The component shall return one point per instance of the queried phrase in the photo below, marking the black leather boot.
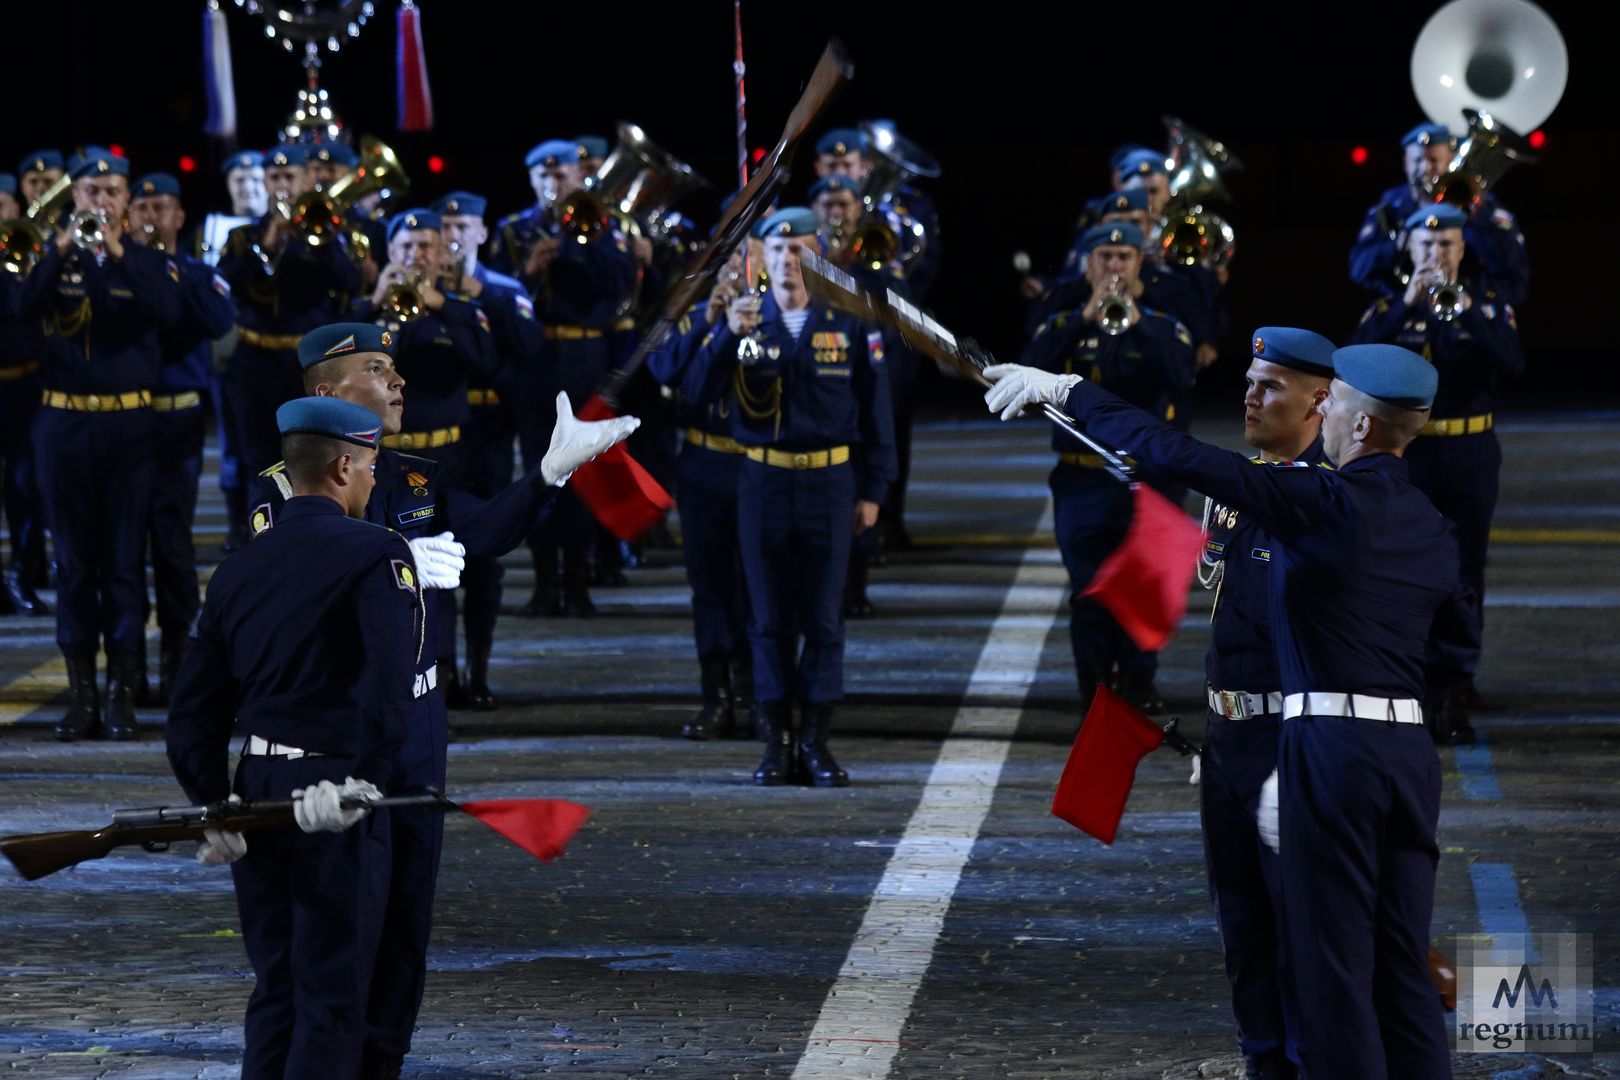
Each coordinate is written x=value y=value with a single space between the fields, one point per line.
x=577 y=582
x=716 y=717
x=775 y=730
x=122 y=671
x=20 y=592
x=742 y=691
x=816 y=765
x=83 y=718
x=546 y=599
x=1137 y=688
x=172 y=653
x=478 y=693
x=379 y=1066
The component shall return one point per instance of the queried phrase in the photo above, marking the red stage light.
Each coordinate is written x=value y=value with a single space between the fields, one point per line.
x=758 y=155
x=116 y=150
x=436 y=164
x=1538 y=139
x=1359 y=155
x=188 y=163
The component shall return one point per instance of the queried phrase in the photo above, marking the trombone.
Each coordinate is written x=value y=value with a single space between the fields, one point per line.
x=23 y=239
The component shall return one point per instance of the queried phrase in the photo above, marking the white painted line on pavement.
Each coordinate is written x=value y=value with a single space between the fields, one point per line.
x=858 y=1031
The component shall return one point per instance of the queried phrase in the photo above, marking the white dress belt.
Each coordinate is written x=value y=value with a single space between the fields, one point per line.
x=1359 y=706
x=258 y=747
x=1237 y=705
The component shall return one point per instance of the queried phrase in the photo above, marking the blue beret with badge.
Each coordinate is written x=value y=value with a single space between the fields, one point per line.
x=99 y=161
x=1121 y=153
x=1123 y=202
x=835 y=182
x=553 y=152
x=333 y=417
x=288 y=155
x=1115 y=232
x=341 y=339
x=1389 y=373
x=1426 y=133
x=8 y=184
x=157 y=183
x=1141 y=162
x=841 y=141
x=1290 y=347
x=1437 y=216
x=592 y=146
x=336 y=154
x=791 y=221
x=242 y=159
x=39 y=161
x=415 y=218
x=461 y=204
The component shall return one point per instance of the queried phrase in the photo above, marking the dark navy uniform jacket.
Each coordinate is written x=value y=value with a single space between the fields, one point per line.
x=1473 y=353
x=439 y=353
x=311 y=286
x=1361 y=561
x=206 y=312
x=1240 y=655
x=308 y=637
x=1148 y=365
x=1492 y=237
x=21 y=339
x=102 y=319
x=518 y=338
x=669 y=366
x=827 y=387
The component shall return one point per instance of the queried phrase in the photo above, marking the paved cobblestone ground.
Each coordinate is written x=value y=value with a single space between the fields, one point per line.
x=697 y=923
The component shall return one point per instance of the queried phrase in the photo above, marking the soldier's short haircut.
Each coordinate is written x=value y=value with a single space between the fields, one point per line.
x=1398 y=425
x=307 y=455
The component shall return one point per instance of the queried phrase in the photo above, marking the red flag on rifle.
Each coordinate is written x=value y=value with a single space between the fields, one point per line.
x=1143 y=583
x=542 y=827
x=1097 y=780
x=623 y=495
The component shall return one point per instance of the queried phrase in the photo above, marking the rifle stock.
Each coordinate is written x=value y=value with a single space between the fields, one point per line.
x=37 y=855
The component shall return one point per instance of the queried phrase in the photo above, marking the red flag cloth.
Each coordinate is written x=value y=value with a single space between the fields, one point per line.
x=415 y=112
x=1144 y=582
x=624 y=496
x=542 y=827
x=1097 y=780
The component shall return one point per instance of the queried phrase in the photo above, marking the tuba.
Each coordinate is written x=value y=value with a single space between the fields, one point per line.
x=893 y=160
x=23 y=240
x=1503 y=65
x=1193 y=235
x=637 y=185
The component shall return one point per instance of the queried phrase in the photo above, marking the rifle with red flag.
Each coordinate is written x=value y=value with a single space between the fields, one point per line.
x=623 y=495
x=542 y=827
x=1097 y=778
x=1144 y=581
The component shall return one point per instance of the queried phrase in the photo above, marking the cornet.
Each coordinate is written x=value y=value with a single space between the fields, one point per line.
x=1117 y=311
x=1447 y=300
x=89 y=230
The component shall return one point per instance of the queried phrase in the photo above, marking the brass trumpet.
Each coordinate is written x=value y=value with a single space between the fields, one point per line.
x=1447 y=300
x=89 y=230
x=1117 y=311
x=404 y=301
x=23 y=240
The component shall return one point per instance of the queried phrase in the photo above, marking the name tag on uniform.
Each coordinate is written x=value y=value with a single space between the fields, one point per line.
x=421 y=513
x=1260 y=554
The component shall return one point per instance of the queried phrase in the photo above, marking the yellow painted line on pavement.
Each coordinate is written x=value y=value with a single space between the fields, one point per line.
x=33 y=690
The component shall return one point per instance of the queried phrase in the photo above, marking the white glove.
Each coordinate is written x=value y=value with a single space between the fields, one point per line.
x=1266 y=817
x=320 y=808
x=439 y=560
x=575 y=441
x=1016 y=386
x=1197 y=770
x=221 y=847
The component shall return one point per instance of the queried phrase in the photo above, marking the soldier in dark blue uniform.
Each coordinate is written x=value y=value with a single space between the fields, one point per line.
x=593 y=150
x=442 y=522
x=206 y=313
x=490 y=430
x=706 y=471
x=1147 y=362
x=582 y=283
x=102 y=310
x=1287 y=380
x=1361 y=566
x=816 y=427
x=1497 y=258
x=21 y=342
x=1456 y=460
x=304 y=651
x=283 y=287
x=1146 y=169
x=36 y=172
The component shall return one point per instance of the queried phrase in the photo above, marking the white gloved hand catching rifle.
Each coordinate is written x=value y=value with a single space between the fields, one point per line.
x=1266 y=816
x=320 y=808
x=439 y=560
x=220 y=847
x=575 y=441
x=1014 y=387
